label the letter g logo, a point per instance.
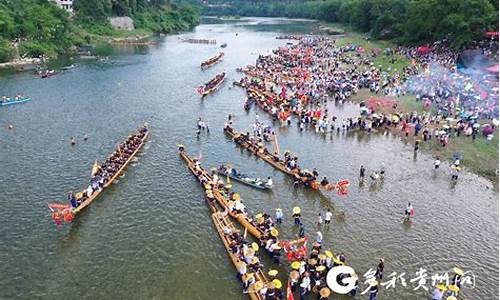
(340, 284)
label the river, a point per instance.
(150, 235)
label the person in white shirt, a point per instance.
(319, 237)
(328, 216)
(320, 219)
(269, 182)
(437, 162)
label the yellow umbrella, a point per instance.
(277, 283)
(295, 265)
(458, 271)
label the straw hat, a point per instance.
(236, 196)
(249, 252)
(258, 216)
(442, 287)
(241, 264)
(272, 272)
(270, 285)
(255, 246)
(324, 292)
(329, 253)
(277, 247)
(78, 195)
(373, 282)
(228, 186)
(296, 210)
(458, 271)
(278, 209)
(453, 288)
(295, 265)
(257, 286)
(255, 260)
(451, 298)
(277, 283)
(320, 268)
(312, 261)
(274, 232)
(322, 256)
(294, 275)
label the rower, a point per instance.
(72, 141)
(324, 182)
(85, 137)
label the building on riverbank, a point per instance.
(67, 5)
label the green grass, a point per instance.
(480, 156)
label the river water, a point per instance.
(150, 235)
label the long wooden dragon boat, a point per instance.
(222, 223)
(67, 212)
(274, 160)
(212, 85)
(212, 61)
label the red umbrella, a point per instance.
(423, 50)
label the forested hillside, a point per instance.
(407, 21)
(31, 28)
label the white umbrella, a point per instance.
(476, 125)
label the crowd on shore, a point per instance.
(299, 79)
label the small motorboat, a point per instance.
(253, 182)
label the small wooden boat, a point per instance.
(253, 182)
(10, 101)
(67, 212)
(212, 61)
(212, 85)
